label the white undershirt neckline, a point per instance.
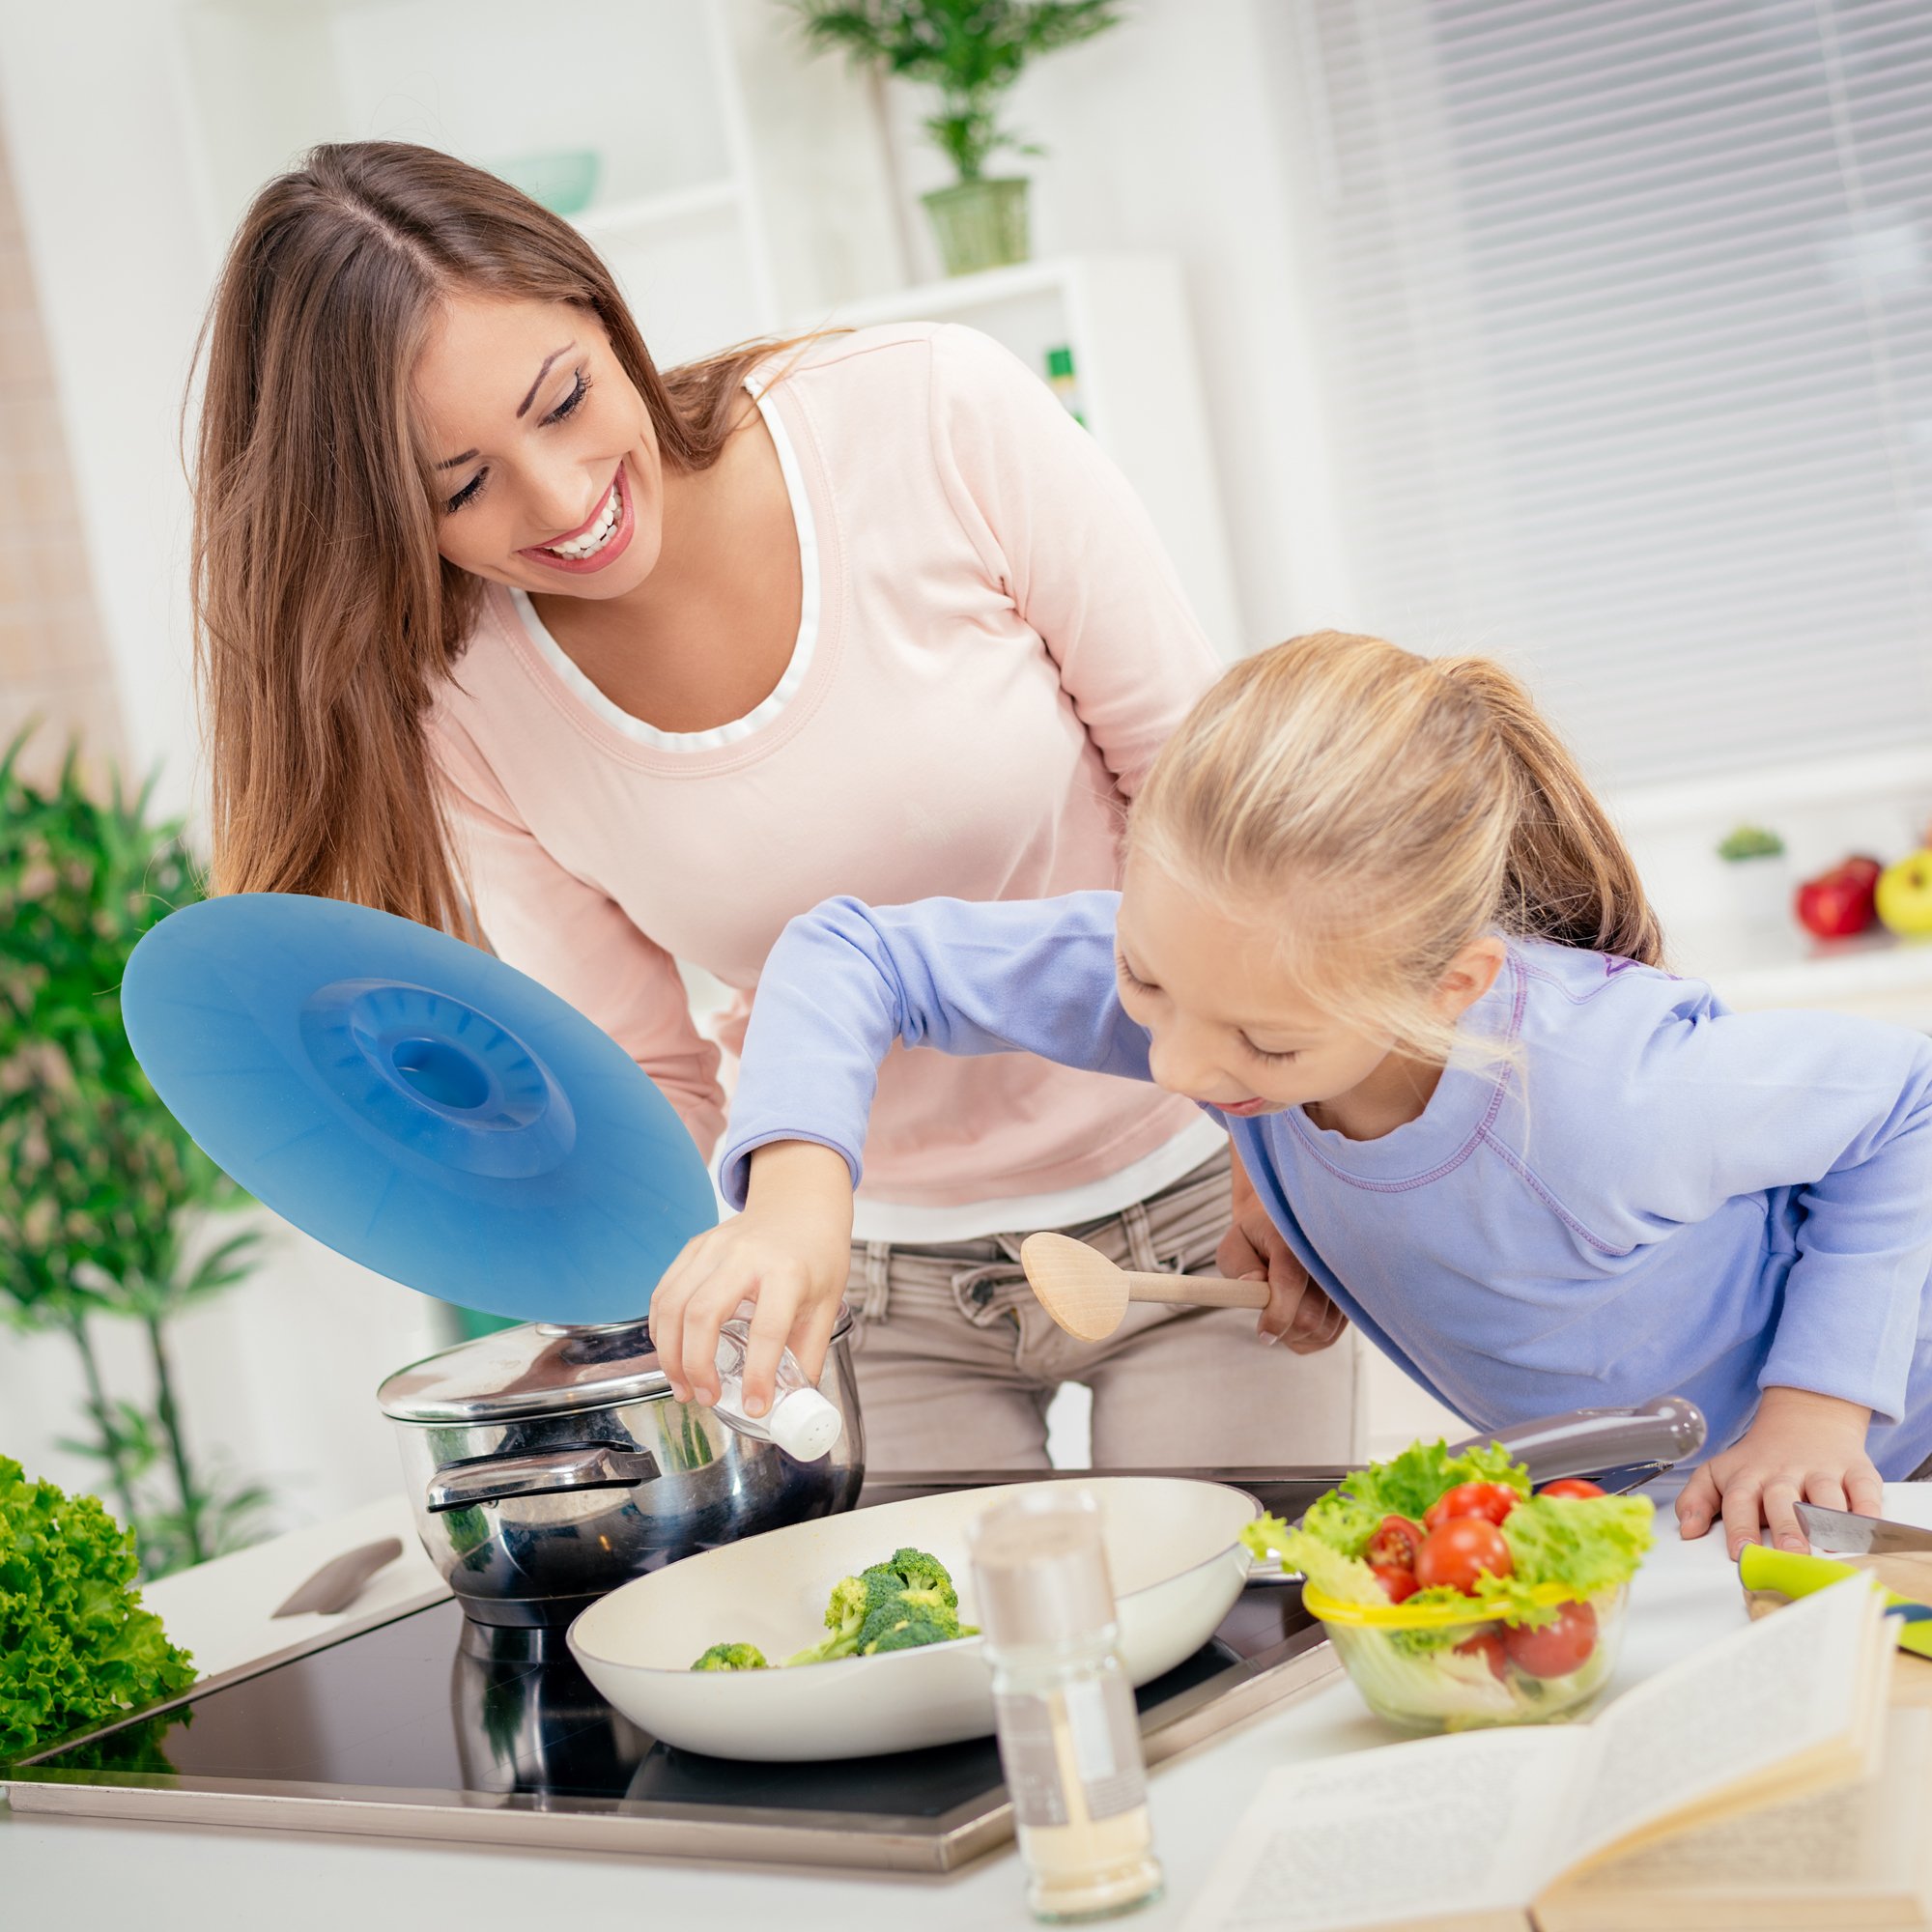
(799, 664)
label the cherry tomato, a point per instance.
(1397, 1580)
(1571, 1486)
(1556, 1649)
(1394, 1544)
(1486, 1645)
(1460, 1550)
(1493, 1501)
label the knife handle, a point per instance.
(1786, 1571)
(1791, 1574)
(339, 1582)
(1642, 1440)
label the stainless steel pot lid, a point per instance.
(535, 1370)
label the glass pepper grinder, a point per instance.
(1069, 1736)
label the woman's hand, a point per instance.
(789, 1253)
(1251, 1249)
(1801, 1447)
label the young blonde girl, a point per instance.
(1373, 920)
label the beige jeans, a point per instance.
(958, 1361)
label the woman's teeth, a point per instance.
(596, 536)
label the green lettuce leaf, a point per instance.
(1346, 1578)
(76, 1648)
(1349, 1515)
(1586, 1544)
(1409, 1483)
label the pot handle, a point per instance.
(1620, 1447)
(544, 1472)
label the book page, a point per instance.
(1850, 1855)
(1799, 1682)
(1425, 1832)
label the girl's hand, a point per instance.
(1801, 1447)
(1251, 1249)
(789, 1253)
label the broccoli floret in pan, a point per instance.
(732, 1656)
(901, 1603)
(914, 1575)
(906, 1627)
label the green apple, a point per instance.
(1905, 894)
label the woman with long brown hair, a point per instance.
(504, 630)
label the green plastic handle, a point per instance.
(1784, 1570)
(1791, 1574)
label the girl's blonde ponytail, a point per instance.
(1570, 877)
(1381, 810)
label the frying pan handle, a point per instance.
(1630, 1444)
(1620, 1447)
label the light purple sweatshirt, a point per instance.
(1659, 1196)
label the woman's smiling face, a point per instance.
(548, 474)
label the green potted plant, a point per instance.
(1757, 875)
(104, 1198)
(972, 51)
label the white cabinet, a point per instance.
(695, 109)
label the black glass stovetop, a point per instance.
(428, 1727)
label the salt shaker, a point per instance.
(800, 1420)
(1069, 1739)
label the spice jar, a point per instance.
(1069, 1736)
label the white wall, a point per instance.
(107, 205)
(276, 1381)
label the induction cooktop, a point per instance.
(428, 1727)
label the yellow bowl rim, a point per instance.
(1427, 1616)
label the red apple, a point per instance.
(1840, 902)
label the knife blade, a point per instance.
(1843, 1534)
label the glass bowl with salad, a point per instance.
(1456, 1596)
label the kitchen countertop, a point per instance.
(86, 1876)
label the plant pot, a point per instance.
(1758, 891)
(979, 224)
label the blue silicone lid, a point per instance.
(416, 1104)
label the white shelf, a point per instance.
(642, 214)
(1876, 973)
(960, 297)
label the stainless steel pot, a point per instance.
(548, 1465)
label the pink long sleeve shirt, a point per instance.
(992, 647)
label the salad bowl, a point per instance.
(1456, 1595)
(1475, 1671)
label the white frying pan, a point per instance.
(1172, 1546)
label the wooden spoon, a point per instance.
(1087, 1295)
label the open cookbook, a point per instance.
(1759, 1783)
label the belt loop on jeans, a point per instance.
(878, 1278)
(982, 1293)
(1140, 1239)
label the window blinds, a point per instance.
(1631, 307)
